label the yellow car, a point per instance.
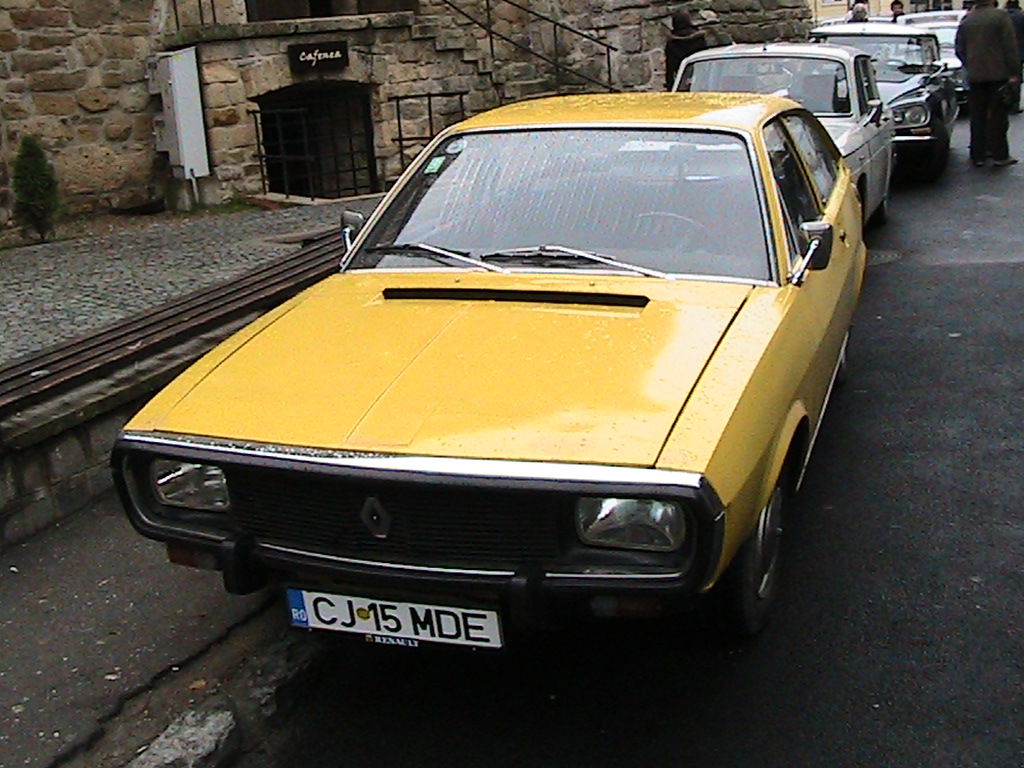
(572, 366)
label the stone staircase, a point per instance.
(516, 55)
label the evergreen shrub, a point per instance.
(35, 188)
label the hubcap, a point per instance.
(769, 534)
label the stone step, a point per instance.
(522, 89)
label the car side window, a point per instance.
(798, 199)
(870, 79)
(818, 151)
(929, 50)
(862, 67)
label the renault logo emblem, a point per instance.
(376, 519)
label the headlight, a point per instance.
(648, 524)
(911, 116)
(196, 486)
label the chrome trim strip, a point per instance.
(824, 406)
(616, 576)
(506, 574)
(387, 566)
(439, 465)
(912, 139)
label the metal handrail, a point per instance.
(402, 140)
(59, 370)
(488, 26)
(202, 13)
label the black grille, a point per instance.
(429, 525)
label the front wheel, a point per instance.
(744, 597)
(937, 159)
(881, 213)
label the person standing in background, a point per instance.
(684, 39)
(1017, 17)
(859, 12)
(987, 45)
(896, 6)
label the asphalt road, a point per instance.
(92, 614)
(899, 639)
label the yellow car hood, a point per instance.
(549, 368)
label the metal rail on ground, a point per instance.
(58, 370)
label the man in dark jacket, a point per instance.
(684, 40)
(1017, 18)
(987, 45)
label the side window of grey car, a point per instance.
(798, 199)
(865, 83)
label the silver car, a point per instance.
(834, 82)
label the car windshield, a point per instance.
(821, 85)
(947, 40)
(644, 202)
(895, 58)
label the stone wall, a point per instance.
(57, 477)
(74, 73)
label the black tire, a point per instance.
(862, 193)
(937, 159)
(881, 213)
(743, 598)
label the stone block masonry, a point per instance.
(50, 481)
(73, 72)
(72, 75)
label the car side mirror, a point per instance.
(818, 235)
(351, 223)
(818, 252)
(875, 111)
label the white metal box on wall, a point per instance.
(179, 129)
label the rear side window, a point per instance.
(818, 152)
(799, 202)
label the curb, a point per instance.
(213, 710)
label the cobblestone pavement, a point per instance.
(56, 292)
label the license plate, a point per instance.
(404, 623)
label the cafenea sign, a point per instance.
(318, 57)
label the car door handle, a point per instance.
(842, 235)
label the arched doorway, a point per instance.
(316, 140)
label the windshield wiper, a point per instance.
(561, 251)
(437, 251)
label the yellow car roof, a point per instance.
(742, 111)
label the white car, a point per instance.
(834, 82)
(845, 20)
(931, 17)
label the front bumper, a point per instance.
(479, 533)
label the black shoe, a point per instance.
(1004, 162)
